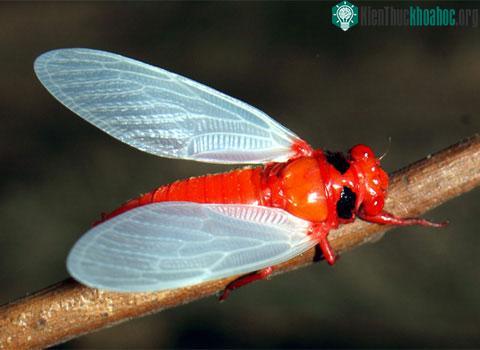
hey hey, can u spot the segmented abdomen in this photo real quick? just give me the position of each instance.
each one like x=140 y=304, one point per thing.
x=241 y=186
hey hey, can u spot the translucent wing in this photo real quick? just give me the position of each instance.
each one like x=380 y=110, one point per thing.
x=175 y=244
x=161 y=112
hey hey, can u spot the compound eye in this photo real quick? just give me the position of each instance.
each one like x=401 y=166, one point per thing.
x=346 y=203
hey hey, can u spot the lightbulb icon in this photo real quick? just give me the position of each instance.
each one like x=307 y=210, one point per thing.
x=344 y=15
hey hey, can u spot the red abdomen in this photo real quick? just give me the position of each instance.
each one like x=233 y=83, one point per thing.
x=298 y=186
x=241 y=186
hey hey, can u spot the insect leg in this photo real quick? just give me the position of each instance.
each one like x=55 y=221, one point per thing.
x=241 y=281
x=390 y=219
x=327 y=251
x=321 y=235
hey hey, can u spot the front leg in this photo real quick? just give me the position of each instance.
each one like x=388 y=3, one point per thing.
x=385 y=218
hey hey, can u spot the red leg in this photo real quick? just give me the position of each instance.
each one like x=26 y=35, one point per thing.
x=327 y=251
x=239 y=282
x=390 y=219
x=322 y=236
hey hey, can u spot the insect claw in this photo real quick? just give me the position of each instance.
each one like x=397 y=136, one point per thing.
x=436 y=224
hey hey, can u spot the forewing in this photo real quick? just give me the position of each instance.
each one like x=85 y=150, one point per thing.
x=160 y=112
x=175 y=244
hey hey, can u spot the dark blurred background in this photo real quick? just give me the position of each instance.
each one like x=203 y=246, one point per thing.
x=419 y=86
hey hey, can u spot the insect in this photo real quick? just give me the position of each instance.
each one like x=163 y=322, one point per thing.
x=243 y=222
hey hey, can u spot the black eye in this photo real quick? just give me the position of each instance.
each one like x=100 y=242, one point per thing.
x=346 y=203
x=338 y=160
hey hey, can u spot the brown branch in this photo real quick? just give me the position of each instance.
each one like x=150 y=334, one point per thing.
x=67 y=310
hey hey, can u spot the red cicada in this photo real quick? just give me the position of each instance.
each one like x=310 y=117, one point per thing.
x=203 y=228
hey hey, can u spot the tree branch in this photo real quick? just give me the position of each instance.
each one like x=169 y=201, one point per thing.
x=67 y=310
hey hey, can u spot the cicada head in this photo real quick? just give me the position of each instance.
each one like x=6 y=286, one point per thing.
x=373 y=180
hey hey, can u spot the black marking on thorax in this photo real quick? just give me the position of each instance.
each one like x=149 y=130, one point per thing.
x=346 y=203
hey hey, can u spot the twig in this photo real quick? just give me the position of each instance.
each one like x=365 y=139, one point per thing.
x=67 y=310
